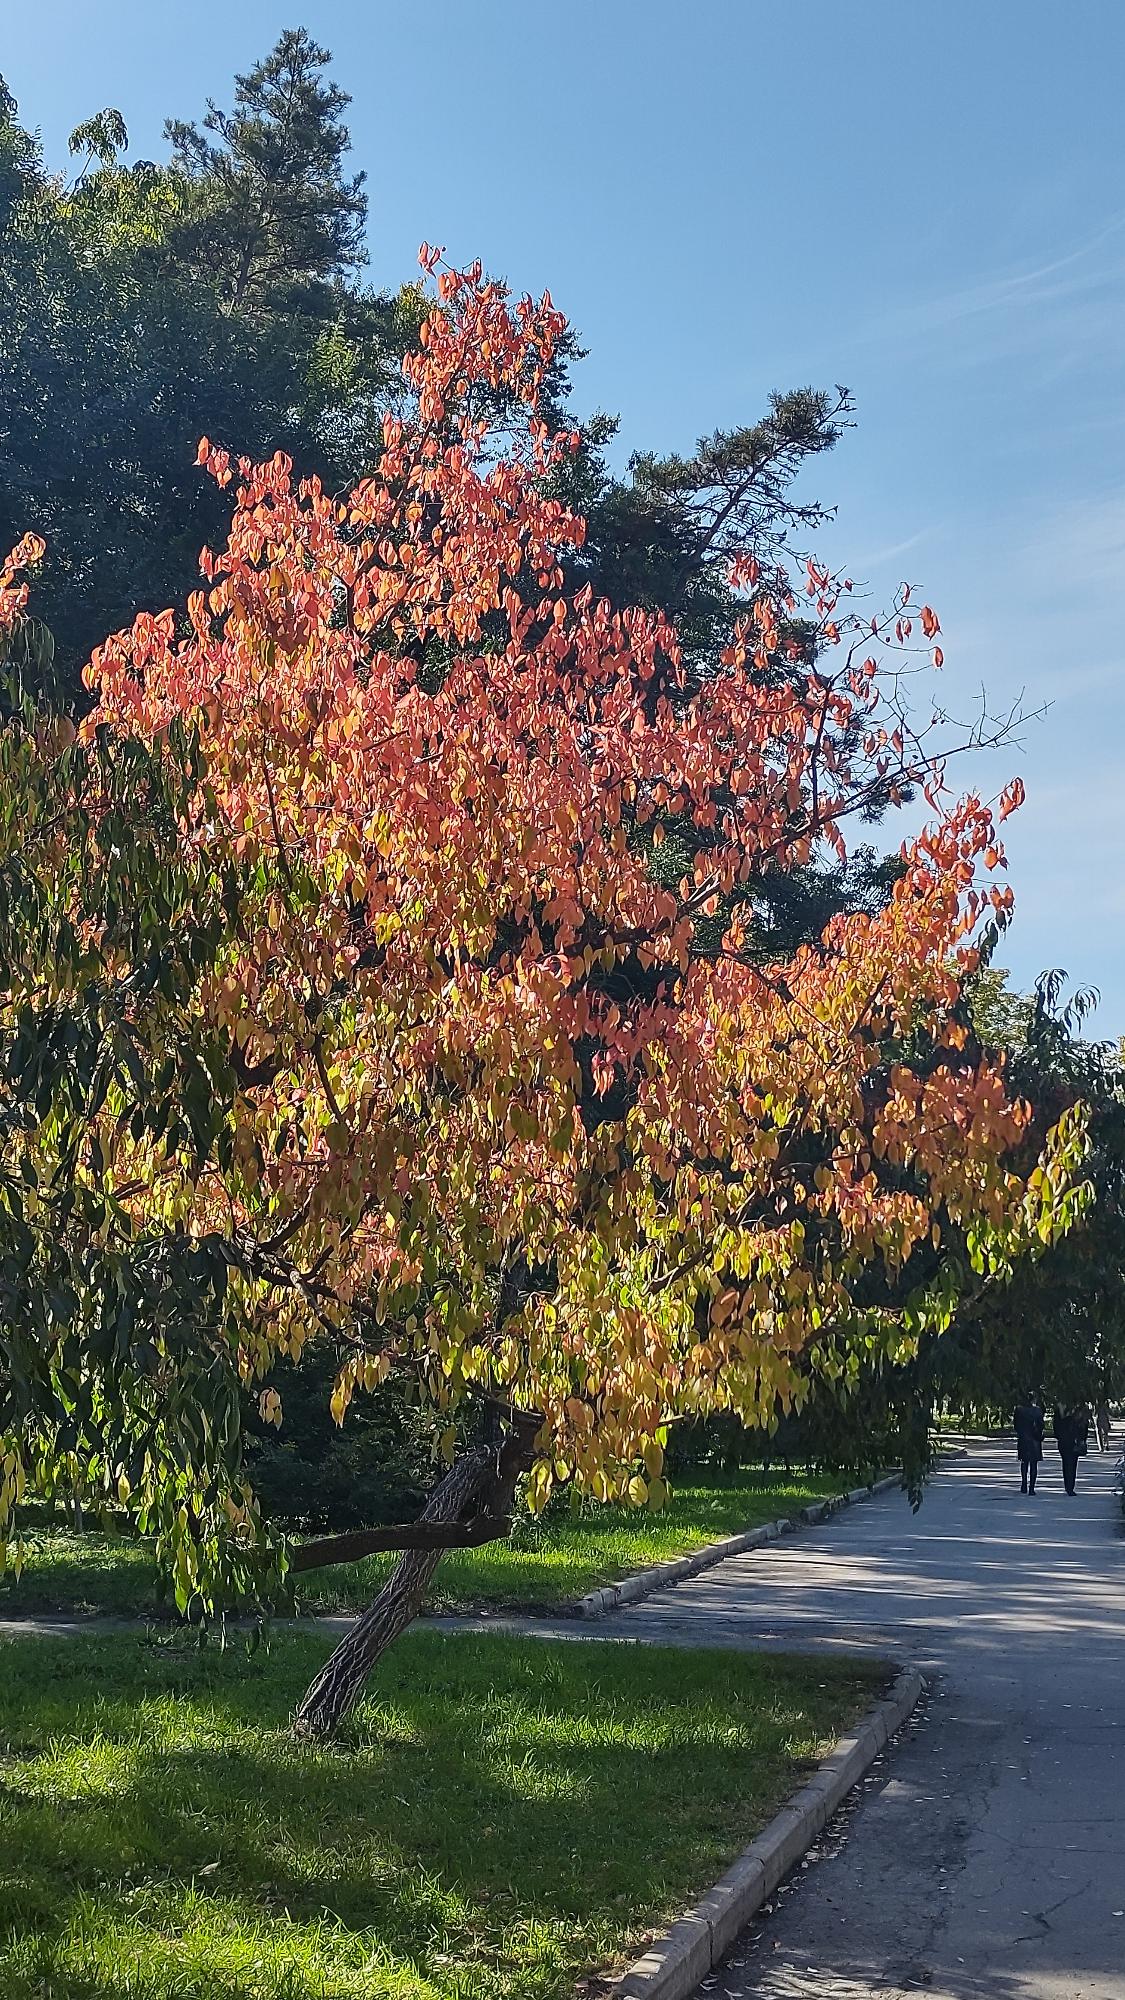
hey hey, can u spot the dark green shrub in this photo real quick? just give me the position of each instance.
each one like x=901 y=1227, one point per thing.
x=316 y=1475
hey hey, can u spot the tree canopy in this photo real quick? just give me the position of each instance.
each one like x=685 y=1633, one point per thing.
x=1061 y=1331
x=222 y=292
x=142 y=305
x=270 y=212
x=349 y=998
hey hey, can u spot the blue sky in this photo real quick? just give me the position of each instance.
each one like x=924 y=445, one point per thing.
x=923 y=201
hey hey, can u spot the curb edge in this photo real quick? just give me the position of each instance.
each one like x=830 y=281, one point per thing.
x=693 y=1946
x=662 y=1576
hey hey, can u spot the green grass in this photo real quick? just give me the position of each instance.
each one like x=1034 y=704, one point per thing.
x=545 y=1563
x=553 y=1561
x=504 y=1816
x=68 y=1572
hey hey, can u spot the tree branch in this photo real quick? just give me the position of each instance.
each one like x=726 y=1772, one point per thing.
x=407 y=1535
x=491 y=1524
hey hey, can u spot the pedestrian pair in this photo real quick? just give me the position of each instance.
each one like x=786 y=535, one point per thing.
x=1071 y=1426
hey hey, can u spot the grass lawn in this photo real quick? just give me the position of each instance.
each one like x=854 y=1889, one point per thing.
x=545 y=1563
x=504 y=1816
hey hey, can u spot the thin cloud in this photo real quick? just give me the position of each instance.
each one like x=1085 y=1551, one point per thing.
x=875 y=558
x=1043 y=285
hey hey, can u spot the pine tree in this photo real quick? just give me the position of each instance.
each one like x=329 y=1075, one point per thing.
x=274 y=210
x=119 y=346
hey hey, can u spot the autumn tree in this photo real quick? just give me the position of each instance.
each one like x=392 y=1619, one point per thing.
x=419 y=1053
x=1060 y=1329
x=223 y=290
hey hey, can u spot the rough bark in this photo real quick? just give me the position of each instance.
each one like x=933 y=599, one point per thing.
x=485 y=1476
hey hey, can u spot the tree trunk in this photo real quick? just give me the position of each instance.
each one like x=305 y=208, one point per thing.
x=340 y=1682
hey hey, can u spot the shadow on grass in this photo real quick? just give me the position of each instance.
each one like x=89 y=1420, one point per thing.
x=546 y=1560
x=502 y=1815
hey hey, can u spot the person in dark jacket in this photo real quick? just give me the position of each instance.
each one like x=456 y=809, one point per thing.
x=1072 y=1435
x=1028 y=1421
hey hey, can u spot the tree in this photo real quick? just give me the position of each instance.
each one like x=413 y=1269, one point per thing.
x=120 y=343
x=271 y=213
x=1058 y=1328
x=665 y=536
x=457 y=1084
x=1063 y=1332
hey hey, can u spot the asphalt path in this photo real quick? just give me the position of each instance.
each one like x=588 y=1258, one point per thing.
x=985 y=1858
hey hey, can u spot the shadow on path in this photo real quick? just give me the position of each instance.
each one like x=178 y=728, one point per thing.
x=985 y=1859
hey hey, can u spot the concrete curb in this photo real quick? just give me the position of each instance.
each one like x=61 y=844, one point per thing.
x=644 y=1582
x=674 y=1964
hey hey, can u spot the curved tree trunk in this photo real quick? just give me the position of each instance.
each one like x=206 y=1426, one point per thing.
x=340 y=1682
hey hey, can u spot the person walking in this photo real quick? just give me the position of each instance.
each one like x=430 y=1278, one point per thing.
x=1072 y=1435
x=1028 y=1420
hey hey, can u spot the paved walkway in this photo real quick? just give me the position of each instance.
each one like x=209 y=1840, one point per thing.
x=986 y=1861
